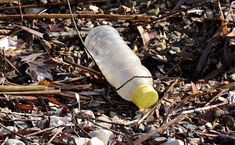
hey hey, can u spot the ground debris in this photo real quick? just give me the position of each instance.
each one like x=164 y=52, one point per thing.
x=53 y=93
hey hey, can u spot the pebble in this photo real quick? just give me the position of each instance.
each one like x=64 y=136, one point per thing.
x=231 y=96
x=14 y=142
x=42 y=123
x=190 y=126
x=141 y=127
x=88 y=113
x=102 y=134
x=11 y=128
x=159 y=140
x=202 y=128
x=149 y=127
x=95 y=141
x=173 y=142
x=194 y=141
x=209 y=125
x=74 y=140
x=55 y=121
x=106 y=119
x=44 y=1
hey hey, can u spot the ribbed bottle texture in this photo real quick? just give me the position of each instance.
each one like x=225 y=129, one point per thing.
x=119 y=64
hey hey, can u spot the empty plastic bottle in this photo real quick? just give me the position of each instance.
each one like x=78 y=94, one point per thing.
x=119 y=64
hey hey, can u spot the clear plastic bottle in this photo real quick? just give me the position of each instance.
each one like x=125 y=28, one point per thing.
x=119 y=64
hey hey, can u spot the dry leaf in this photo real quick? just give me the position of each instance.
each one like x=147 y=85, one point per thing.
x=194 y=88
x=144 y=35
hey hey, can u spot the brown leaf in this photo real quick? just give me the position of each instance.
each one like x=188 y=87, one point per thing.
x=144 y=35
x=46 y=83
x=194 y=88
x=25 y=107
x=53 y=100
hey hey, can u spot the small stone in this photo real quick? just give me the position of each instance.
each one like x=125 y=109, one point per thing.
x=33 y=10
x=112 y=114
x=34 y=143
x=42 y=123
x=163 y=6
x=95 y=141
x=141 y=127
x=102 y=134
x=74 y=140
x=88 y=113
x=194 y=141
x=44 y=1
x=14 y=142
x=209 y=13
x=218 y=113
x=11 y=128
x=232 y=76
x=67 y=22
x=209 y=125
x=202 y=128
x=55 y=121
x=95 y=9
x=231 y=96
x=190 y=127
x=149 y=128
x=159 y=140
x=104 y=118
x=174 y=142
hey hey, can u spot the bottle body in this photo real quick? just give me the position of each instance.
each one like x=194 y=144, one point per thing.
x=116 y=61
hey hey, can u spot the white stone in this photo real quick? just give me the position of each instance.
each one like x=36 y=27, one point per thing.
x=104 y=118
x=103 y=134
x=88 y=113
x=74 y=140
x=14 y=142
x=55 y=121
x=173 y=142
x=95 y=141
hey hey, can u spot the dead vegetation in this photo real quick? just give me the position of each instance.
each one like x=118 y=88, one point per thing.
x=52 y=92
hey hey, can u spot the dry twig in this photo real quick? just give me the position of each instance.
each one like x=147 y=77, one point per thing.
x=160 y=129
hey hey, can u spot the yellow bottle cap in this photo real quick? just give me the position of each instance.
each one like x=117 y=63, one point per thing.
x=144 y=96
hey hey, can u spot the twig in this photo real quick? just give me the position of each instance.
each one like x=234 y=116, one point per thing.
x=68 y=16
x=29 y=98
x=17 y=134
x=84 y=68
x=114 y=131
x=215 y=97
x=204 y=108
x=10 y=63
x=36 y=33
x=160 y=129
x=47 y=92
x=11 y=88
x=51 y=4
x=77 y=87
x=44 y=130
x=58 y=131
x=19 y=6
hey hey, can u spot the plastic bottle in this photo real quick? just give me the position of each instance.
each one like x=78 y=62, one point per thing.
x=119 y=64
